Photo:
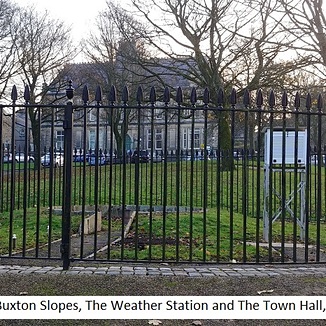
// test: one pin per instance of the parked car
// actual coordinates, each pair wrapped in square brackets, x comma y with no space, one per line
[142,156]
[78,155]
[314,160]
[20,158]
[57,159]
[7,157]
[102,159]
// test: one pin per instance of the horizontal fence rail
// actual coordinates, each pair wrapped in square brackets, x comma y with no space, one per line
[162,180]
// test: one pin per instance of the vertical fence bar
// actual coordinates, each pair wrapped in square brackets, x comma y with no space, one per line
[38,198]
[259,103]
[112,100]
[85,98]
[165,179]
[66,209]
[220,158]
[233,101]
[98,160]
[283,182]
[13,168]
[296,167]
[193,100]
[270,177]
[205,182]
[125,99]
[137,170]
[26,173]
[151,188]
[51,181]
[179,99]
[245,187]
[319,184]
[165,200]
[308,187]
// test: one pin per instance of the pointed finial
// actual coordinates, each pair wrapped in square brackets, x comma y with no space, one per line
[140,95]
[206,97]
[14,95]
[246,97]
[152,95]
[233,97]
[27,94]
[193,96]
[98,94]
[85,95]
[70,90]
[112,94]
[166,95]
[179,97]
[125,94]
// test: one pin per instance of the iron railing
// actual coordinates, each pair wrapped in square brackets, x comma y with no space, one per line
[190,182]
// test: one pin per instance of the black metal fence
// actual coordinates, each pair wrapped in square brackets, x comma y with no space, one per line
[164,180]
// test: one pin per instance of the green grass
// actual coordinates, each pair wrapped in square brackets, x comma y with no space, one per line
[239,193]
[156,233]
[169,184]
[173,237]
[33,226]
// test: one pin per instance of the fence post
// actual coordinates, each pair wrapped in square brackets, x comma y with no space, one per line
[66,209]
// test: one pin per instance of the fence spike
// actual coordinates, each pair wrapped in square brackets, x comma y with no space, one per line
[98,94]
[140,95]
[285,99]
[297,100]
[320,103]
[166,95]
[206,96]
[14,95]
[246,97]
[220,97]
[308,101]
[27,94]
[179,97]
[193,96]
[70,90]
[259,99]
[85,95]
[271,99]
[112,94]
[152,95]
[233,97]
[125,94]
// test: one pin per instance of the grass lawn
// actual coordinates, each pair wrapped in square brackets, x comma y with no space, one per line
[234,200]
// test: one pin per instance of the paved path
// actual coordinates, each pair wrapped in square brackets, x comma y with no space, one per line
[197,271]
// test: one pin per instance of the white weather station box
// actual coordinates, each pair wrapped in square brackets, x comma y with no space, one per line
[292,137]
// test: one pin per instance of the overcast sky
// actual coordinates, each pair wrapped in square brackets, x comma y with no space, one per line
[80,14]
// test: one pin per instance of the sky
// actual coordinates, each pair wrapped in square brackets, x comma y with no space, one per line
[79,14]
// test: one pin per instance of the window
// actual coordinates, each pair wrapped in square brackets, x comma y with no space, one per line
[92,115]
[158,138]
[91,139]
[187,138]
[158,114]
[197,138]
[59,139]
[149,139]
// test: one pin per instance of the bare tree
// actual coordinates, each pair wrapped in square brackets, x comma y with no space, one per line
[110,49]
[8,57]
[43,47]
[219,44]
[306,23]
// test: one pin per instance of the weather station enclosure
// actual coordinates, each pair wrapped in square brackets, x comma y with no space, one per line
[285,163]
